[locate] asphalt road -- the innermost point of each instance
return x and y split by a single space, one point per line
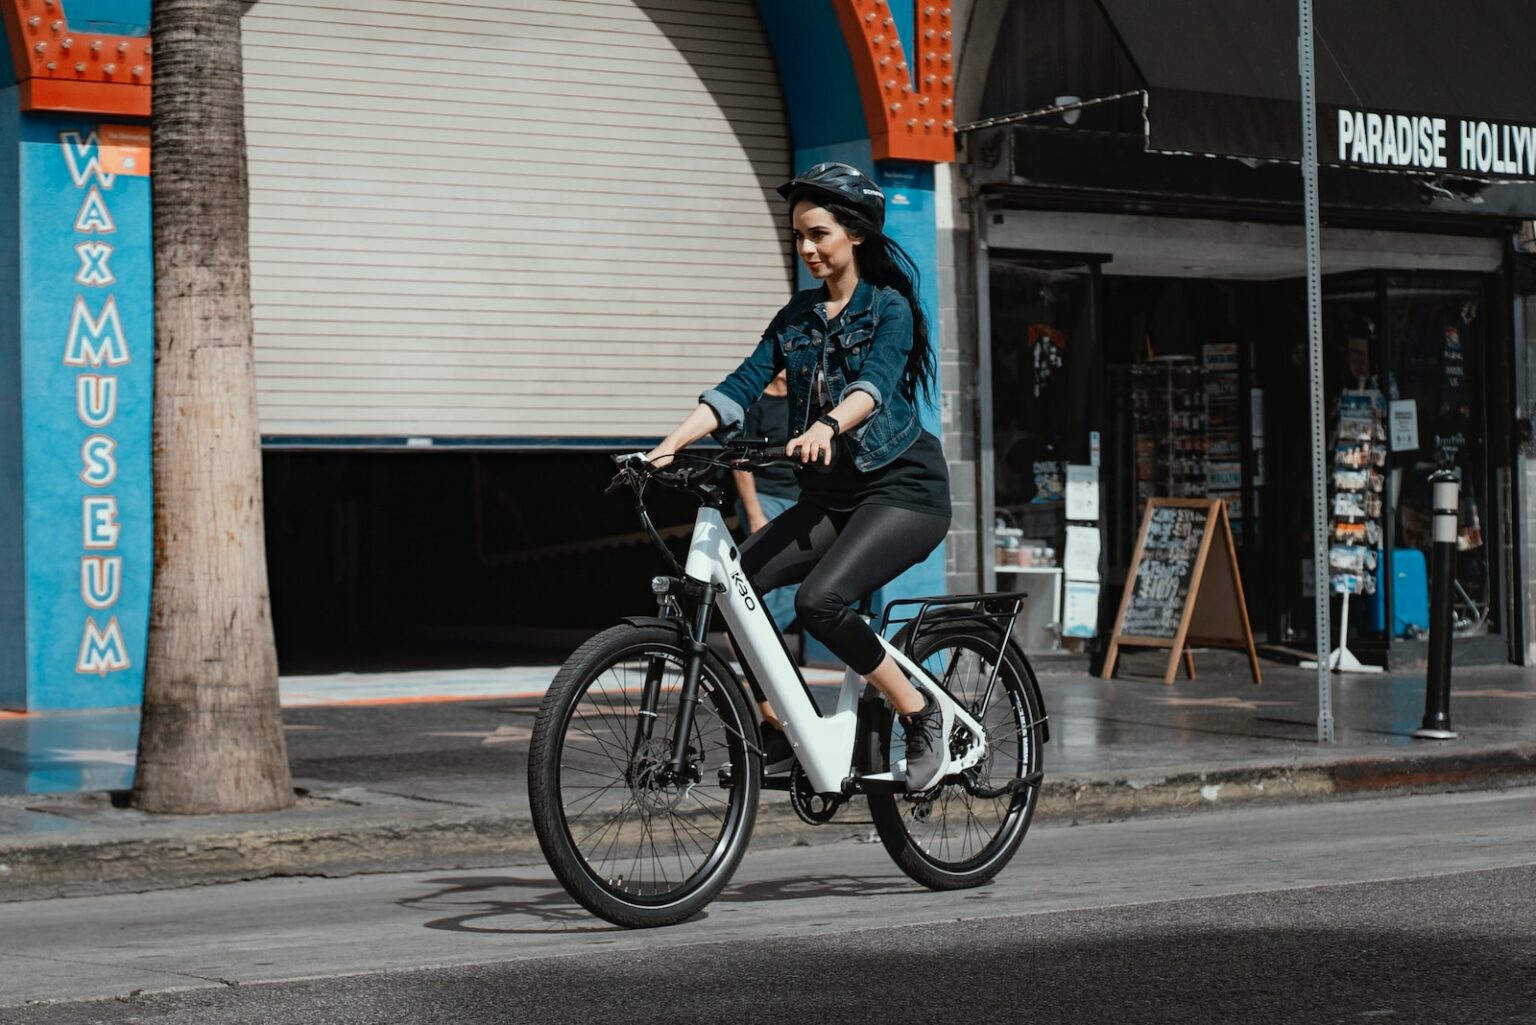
1419 909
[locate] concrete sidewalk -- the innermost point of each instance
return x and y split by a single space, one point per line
421 771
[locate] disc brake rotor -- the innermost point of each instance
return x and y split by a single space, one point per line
649 781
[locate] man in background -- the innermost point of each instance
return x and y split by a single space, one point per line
765 494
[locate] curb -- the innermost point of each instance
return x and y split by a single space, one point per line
43 869
1075 802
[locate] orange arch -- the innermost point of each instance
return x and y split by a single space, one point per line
911 116
79 72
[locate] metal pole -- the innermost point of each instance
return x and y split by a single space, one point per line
1445 491
1321 589
986 483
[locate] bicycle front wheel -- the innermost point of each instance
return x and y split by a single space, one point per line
964 833
632 841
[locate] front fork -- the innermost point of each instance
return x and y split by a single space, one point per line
688 701
650 697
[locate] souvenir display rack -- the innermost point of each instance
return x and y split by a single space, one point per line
1168 398
1224 448
1355 484
1187 422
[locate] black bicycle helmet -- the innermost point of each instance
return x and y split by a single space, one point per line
841 183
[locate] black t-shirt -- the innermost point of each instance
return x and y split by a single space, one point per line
918 480
769 418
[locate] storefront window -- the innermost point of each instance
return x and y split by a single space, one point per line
1042 333
1404 377
1436 353
1200 388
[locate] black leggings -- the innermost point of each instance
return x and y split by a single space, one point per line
839 558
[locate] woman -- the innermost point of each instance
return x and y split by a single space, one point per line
857 354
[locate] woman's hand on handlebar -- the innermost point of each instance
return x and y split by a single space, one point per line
815 445
660 457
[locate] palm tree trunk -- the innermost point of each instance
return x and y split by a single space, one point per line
212 737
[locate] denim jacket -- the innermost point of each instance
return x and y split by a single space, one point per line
864 350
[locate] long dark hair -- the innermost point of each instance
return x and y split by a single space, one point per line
882 261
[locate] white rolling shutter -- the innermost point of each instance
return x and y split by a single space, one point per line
508 218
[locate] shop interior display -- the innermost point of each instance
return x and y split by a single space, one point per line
1013 549
1168 395
1224 433
1188 426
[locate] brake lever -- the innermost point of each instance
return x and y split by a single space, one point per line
629 464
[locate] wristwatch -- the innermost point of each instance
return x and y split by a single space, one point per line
837 428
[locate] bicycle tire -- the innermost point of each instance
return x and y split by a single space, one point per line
584 734
932 854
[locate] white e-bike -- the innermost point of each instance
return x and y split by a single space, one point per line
645 771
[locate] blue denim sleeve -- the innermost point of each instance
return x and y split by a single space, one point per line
732 397
888 351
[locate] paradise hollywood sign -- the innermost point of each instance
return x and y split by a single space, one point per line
1429 143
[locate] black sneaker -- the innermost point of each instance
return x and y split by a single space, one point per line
778 756
927 745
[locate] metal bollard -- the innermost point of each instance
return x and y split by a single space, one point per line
1437 683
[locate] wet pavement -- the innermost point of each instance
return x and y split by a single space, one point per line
1221 719
85 751
413 729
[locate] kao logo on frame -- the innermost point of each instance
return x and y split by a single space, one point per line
96 347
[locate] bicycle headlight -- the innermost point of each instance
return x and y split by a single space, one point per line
661 585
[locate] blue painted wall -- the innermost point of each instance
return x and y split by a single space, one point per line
904 13
86 336
13 677
821 95
113 17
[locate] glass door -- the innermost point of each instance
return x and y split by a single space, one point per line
1046 407
1436 375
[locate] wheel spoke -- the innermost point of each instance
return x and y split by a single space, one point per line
591 800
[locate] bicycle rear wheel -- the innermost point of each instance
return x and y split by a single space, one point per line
632 844
963 833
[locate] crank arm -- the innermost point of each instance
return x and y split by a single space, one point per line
1013 786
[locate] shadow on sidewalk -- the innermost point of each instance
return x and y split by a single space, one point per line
479 900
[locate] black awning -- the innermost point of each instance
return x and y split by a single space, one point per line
1422 86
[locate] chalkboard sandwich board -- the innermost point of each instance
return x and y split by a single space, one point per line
1184 588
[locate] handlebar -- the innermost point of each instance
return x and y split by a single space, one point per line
757 453
747 454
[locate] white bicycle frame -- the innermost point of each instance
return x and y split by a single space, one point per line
824 744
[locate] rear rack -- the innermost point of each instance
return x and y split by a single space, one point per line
989 608
998 609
